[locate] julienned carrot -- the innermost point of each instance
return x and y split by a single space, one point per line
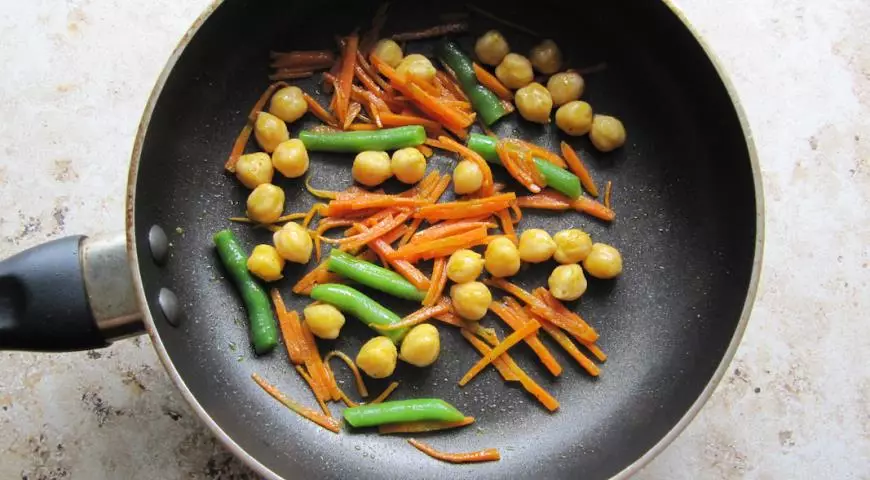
314 388
426 151
451 85
420 427
543 201
488 455
516 158
318 111
507 225
364 201
394 120
466 208
345 76
565 342
245 134
386 393
376 231
403 267
304 285
367 67
367 81
499 363
579 168
545 154
450 318
597 210
487 185
288 323
315 368
596 351
434 194
440 247
439 280
360 384
417 317
608 191
328 423
490 81
443 230
588 334
552 200
436 144
540 307
516 320
511 340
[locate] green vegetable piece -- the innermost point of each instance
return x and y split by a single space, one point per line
352 301
400 411
558 178
355 142
264 330
485 103
372 276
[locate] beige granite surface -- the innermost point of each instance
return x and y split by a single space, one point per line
795 404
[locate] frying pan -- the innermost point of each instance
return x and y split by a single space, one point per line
689 225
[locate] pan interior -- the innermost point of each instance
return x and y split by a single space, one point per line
683 193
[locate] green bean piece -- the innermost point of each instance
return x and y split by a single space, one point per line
372 276
558 178
352 301
401 411
485 103
264 330
355 142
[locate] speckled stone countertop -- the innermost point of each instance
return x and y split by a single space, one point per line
796 403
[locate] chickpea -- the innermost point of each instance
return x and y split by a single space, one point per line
323 320
254 169
291 158
607 133
603 261
421 346
491 48
467 177
388 51
372 168
546 57
265 263
565 87
265 203
464 266
269 131
293 243
572 246
418 67
574 118
536 246
377 357
470 300
515 71
534 103
408 165
288 104
567 282
502 259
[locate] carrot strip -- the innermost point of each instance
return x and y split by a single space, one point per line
436 144
304 285
450 318
543 202
499 363
302 58
367 67
245 133
394 234
417 317
386 393
513 156
403 267
488 455
511 340
608 191
487 186
588 334
394 120
345 76
367 81
288 323
318 111
565 342
328 423
435 248
310 381
360 384
596 351
426 151
507 225
420 427
544 154
353 112
450 83
465 209
439 280
515 318
591 207
376 231
443 230
343 204
579 168
490 81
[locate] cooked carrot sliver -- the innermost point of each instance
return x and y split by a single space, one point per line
465 209
394 120
516 320
488 455
402 267
360 384
443 230
517 160
288 323
597 210
345 76
450 318
608 191
370 200
328 423
511 340
318 111
376 231
451 85
386 393
507 225
245 133
310 381
500 363
367 81
544 202
487 185
490 81
439 280
587 333
565 342
545 154
419 427
596 351
426 151
416 317
367 67
579 168
435 248
541 308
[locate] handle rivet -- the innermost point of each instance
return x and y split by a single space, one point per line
169 305
159 244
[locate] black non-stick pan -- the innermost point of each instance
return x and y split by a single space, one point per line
688 202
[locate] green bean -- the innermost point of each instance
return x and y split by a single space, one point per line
356 303
264 331
401 411
486 103
372 276
558 178
354 142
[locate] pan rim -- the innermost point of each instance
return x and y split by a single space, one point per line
266 472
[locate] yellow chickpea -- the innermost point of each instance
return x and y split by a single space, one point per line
565 87
467 177
574 118
607 133
464 266
501 258
546 57
254 169
408 165
536 246
270 131
388 51
265 263
515 71
491 48
377 357
418 67
372 168
421 346
572 246
291 158
266 203
567 282
470 300
293 243
324 321
603 261
288 104
534 103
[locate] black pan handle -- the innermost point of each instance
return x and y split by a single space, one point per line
73 293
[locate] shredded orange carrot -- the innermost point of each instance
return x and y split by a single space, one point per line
543 201
591 207
419 427
436 144
541 308
596 351
328 423
439 280
544 154
451 85
439 248
426 151
304 285
434 194
317 370
367 67
507 225
345 76
305 376
499 363
565 342
402 267
394 120
443 230
371 200
417 317
490 81
516 319
587 333
360 384
488 455
318 192
288 322
487 186
453 119
367 81
375 232
579 168
386 393
528 329
318 111
608 191
465 209
245 133
516 157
